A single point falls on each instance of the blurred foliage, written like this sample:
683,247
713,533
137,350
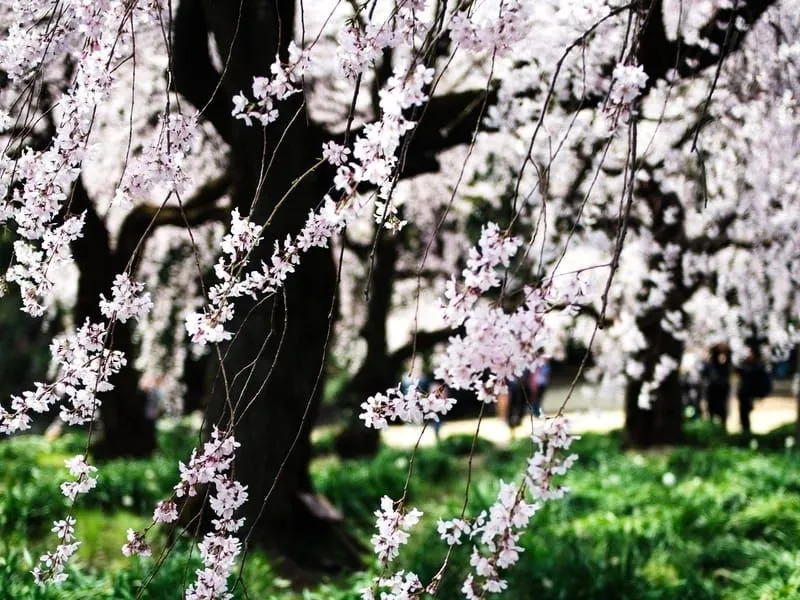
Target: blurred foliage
668,524
719,522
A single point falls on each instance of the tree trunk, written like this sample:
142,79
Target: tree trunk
273,369
126,429
377,373
662,423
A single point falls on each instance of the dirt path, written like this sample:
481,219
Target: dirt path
768,414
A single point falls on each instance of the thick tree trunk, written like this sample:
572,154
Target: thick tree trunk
377,373
273,375
126,429
278,355
662,423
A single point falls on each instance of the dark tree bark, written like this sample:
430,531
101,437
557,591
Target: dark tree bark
376,373
126,428
272,377
662,423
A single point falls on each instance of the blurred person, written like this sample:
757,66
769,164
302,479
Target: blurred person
754,382
717,383
517,399
439,388
538,381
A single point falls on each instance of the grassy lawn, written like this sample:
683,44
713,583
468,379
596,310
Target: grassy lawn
690,522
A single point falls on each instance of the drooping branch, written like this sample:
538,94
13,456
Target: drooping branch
431,273
182,217
423,342
450,119
145,218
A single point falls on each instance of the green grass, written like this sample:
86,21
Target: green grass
726,528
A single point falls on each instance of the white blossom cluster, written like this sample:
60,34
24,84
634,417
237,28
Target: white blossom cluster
91,33
160,165
360,46
136,545
481,273
78,23
52,564
285,81
494,532
166,511
85,364
627,84
409,406
392,524
128,300
219,547
374,161
401,585
497,530
498,345
499,27
208,327
33,266
375,149
203,468
84,472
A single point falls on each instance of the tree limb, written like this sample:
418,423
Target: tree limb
140,222
193,74
422,342
658,54
450,119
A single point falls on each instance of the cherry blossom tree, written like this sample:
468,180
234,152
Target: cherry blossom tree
258,179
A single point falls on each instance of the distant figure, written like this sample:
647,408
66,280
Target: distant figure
154,396
717,382
538,381
754,382
439,388
426,385
517,399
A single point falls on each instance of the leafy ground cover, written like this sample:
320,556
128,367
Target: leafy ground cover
717,518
